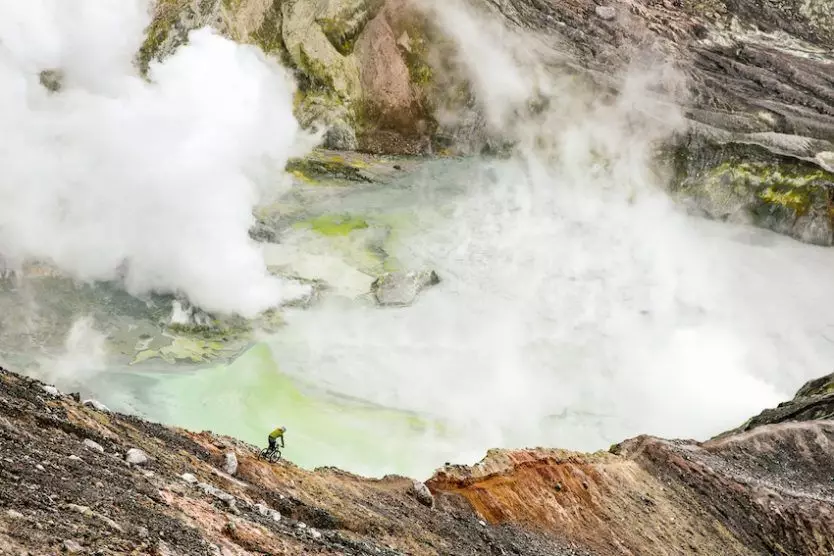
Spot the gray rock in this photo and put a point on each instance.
(207, 488)
(315, 534)
(220, 495)
(400, 289)
(97, 405)
(72, 547)
(605, 12)
(92, 445)
(14, 514)
(230, 466)
(261, 509)
(75, 458)
(51, 390)
(52, 80)
(189, 478)
(340, 136)
(136, 456)
(422, 493)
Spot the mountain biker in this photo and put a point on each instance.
(275, 435)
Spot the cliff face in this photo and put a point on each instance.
(73, 479)
(381, 77)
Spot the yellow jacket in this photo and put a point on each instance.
(277, 433)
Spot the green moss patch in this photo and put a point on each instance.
(311, 169)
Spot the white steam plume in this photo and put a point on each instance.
(152, 182)
(578, 306)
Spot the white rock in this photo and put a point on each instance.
(315, 534)
(422, 494)
(72, 547)
(95, 404)
(207, 488)
(136, 456)
(39, 467)
(93, 445)
(301, 525)
(189, 478)
(230, 466)
(482, 523)
(14, 514)
(261, 509)
(275, 515)
(75, 458)
(51, 390)
(605, 12)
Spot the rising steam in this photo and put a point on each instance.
(153, 183)
(578, 305)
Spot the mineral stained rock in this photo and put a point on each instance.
(763, 489)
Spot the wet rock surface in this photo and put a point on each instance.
(764, 491)
(400, 289)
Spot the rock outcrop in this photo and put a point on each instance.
(360, 65)
(814, 401)
(766, 490)
(380, 77)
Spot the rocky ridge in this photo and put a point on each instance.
(79, 479)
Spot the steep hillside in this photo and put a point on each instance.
(76, 478)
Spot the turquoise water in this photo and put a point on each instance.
(249, 397)
(568, 314)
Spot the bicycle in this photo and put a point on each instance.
(271, 456)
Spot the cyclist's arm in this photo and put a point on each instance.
(282, 440)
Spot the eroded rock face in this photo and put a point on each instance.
(380, 76)
(748, 183)
(319, 40)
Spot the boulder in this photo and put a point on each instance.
(135, 456)
(97, 405)
(605, 12)
(93, 445)
(72, 547)
(400, 288)
(230, 463)
(422, 493)
(51, 390)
